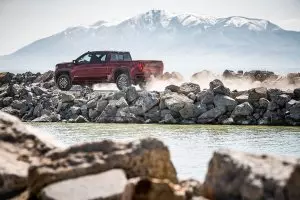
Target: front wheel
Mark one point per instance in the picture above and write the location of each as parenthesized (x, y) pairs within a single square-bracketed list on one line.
[(64, 82), (123, 81)]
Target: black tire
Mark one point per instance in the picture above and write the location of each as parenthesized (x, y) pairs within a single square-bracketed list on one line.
[(64, 82), (123, 81)]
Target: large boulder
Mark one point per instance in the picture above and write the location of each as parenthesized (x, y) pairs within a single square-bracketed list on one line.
[(146, 157), (175, 101), (205, 97), (107, 185), (147, 100), (187, 88), (172, 88), (211, 115), (297, 93), (244, 109), (66, 97), (282, 99), (221, 89), (6, 77), (257, 93), (237, 175), (20, 146), (47, 76), (131, 94), (215, 83), (225, 102)]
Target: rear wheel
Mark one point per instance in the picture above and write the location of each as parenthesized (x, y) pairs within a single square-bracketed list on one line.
[(123, 81), (64, 82)]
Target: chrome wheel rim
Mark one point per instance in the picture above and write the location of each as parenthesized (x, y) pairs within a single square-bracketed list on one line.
[(63, 82), (123, 82)]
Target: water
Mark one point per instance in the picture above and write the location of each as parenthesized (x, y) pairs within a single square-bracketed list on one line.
[(191, 146)]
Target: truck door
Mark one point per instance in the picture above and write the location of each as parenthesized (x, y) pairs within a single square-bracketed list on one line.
[(80, 70), (98, 66)]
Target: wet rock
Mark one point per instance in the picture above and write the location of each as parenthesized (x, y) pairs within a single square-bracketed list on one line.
[(225, 102), (20, 146), (106, 185), (257, 93), (244, 109), (146, 157), (152, 189), (43, 118), (237, 175), (81, 119), (175, 101), (187, 88)]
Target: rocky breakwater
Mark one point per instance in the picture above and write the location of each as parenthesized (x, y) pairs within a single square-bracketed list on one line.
[(33, 168), (37, 99)]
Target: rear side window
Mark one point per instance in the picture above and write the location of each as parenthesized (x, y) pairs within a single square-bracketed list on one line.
[(120, 57)]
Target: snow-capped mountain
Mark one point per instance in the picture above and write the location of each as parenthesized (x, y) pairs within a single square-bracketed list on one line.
[(185, 42)]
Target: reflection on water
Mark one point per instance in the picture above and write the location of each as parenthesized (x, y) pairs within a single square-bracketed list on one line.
[(191, 146)]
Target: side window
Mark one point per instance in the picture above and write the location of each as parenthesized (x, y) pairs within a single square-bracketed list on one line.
[(85, 58), (100, 58), (114, 57), (127, 57), (120, 57)]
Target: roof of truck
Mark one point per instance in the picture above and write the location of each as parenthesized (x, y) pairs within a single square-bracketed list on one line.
[(110, 51)]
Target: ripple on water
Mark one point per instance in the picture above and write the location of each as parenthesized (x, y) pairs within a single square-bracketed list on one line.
[(191, 146)]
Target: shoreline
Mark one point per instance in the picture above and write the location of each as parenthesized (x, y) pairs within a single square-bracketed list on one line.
[(35, 98)]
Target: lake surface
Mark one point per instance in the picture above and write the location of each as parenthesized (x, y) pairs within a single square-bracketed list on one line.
[(191, 146)]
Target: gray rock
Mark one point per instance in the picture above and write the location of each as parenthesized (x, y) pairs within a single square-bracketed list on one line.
[(192, 96), (153, 114), (257, 93), (81, 119), (119, 94), (101, 104), (242, 98), (176, 102), (282, 99), (244, 109), (110, 110), (172, 88), (38, 91), (75, 110), (66, 97), (272, 106), (147, 100), (187, 111), (11, 111), (237, 175), (107, 185), (169, 119), (92, 103), (215, 83), (274, 93), (49, 84), (263, 103), (47, 76), (43, 118), (294, 112), (84, 110), (121, 103), (297, 93), (7, 101), (187, 88), (131, 94), (228, 121), (291, 103), (221, 89), (93, 113), (200, 108), (225, 102), (205, 97), (211, 115), (37, 112)]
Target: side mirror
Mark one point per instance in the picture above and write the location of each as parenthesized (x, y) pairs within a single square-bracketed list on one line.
[(75, 62)]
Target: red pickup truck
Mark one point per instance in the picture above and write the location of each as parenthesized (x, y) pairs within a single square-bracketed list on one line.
[(106, 67)]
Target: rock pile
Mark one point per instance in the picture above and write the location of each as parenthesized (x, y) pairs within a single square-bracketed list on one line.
[(31, 167), (37, 99)]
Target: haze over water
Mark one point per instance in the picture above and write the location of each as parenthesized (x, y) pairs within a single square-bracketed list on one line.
[(191, 146)]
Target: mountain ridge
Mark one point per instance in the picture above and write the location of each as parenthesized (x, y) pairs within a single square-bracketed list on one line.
[(164, 35)]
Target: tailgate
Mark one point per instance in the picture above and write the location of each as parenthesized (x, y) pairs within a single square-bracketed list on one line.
[(152, 67)]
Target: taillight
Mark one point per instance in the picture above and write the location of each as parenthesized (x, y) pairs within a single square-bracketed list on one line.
[(141, 66)]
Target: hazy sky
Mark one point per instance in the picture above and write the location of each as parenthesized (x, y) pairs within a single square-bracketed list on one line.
[(24, 21)]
